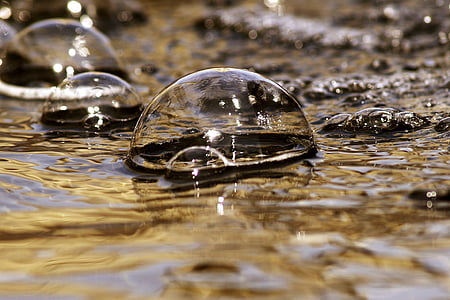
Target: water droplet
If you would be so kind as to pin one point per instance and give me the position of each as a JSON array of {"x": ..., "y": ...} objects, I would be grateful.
[
  {"x": 336, "y": 121},
  {"x": 429, "y": 102},
  {"x": 228, "y": 118},
  {"x": 50, "y": 50},
  {"x": 92, "y": 100}
]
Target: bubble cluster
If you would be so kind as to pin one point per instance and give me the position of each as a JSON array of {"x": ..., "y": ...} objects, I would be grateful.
[
  {"x": 93, "y": 101},
  {"x": 376, "y": 120},
  {"x": 51, "y": 50},
  {"x": 217, "y": 119},
  {"x": 289, "y": 29}
]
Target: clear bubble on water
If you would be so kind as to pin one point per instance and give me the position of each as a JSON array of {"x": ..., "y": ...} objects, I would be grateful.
[
  {"x": 51, "y": 50},
  {"x": 93, "y": 101},
  {"x": 217, "y": 119}
]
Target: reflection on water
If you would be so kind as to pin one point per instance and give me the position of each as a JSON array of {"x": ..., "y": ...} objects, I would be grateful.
[{"x": 350, "y": 224}]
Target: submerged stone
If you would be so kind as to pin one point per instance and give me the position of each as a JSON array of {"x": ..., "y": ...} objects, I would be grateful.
[
  {"x": 376, "y": 120},
  {"x": 217, "y": 119},
  {"x": 92, "y": 101},
  {"x": 51, "y": 50}
]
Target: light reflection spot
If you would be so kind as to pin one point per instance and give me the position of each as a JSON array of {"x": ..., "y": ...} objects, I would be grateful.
[
  {"x": 57, "y": 68},
  {"x": 5, "y": 13},
  {"x": 74, "y": 7},
  {"x": 220, "y": 207},
  {"x": 86, "y": 21},
  {"x": 431, "y": 194}
]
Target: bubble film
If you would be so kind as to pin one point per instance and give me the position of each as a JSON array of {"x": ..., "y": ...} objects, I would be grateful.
[
  {"x": 51, "y": 50},
  {"x": 216, "y": 119},
  {"x": 93, "y": 101}
]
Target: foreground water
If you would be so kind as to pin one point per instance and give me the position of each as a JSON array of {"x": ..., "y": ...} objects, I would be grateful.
[{"x": 367, "y": 219}]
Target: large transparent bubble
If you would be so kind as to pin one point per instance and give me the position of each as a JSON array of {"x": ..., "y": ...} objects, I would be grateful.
[
  {"x": 94, "y": 101},
  {"x": 218, "y": 119},
  {"x": 51, "y": 50}
]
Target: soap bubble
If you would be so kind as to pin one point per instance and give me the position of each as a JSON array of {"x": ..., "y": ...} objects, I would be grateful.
[
  {"x": 93, "y": 101},
  {"x": 51, "y": 50},
  {"x": 217, "y": 119}
]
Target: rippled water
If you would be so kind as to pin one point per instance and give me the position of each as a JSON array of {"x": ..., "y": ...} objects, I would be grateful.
[{"x": 367, "y": 219}]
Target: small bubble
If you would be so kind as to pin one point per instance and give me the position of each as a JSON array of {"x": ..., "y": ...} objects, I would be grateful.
[
  {"x": 429, "y": 102},
  {"x": 380, "y": 65},
  {"x": 92, "y": 100},
  {"x": 443, "y": 125},
  {"x": 391, "y": 13},
  {"x": 253, "y": 34}
]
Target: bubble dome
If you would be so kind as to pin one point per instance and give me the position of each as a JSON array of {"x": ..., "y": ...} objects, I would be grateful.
[
  {"x": 93, "y": 101},
  {"x": 53, "y": 49},
  {"x": 216, "y": 119}
]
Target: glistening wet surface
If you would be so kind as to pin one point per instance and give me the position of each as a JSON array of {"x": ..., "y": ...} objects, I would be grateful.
[{"x": 368, "y": 218}]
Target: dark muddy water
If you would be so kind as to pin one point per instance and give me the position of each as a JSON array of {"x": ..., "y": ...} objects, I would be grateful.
[{"x": 367, "y": 218}]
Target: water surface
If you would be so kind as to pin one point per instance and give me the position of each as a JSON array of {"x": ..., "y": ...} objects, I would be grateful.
[{"x": 367, "y": 219}]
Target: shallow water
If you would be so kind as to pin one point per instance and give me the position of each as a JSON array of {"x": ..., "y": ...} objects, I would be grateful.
[{"x": 367, "y": 219}]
